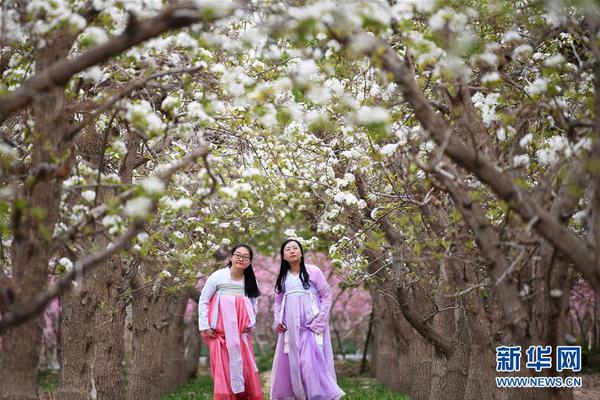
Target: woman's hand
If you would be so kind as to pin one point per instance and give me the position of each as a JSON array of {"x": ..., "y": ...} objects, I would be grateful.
[
  {"x": 281, "y": 328},
  {"x": 210, "y": 333}
]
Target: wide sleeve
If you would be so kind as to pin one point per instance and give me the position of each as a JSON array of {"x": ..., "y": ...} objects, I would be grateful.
[
  {"x": 277, "y": 309},
  {"x": 204, "y": 301},
  {"x": 254, "y": 301},
  {"x": 320, "y": 322}
]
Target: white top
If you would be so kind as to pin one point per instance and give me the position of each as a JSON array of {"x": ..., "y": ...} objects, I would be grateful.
[
  {"x": 219, "y": 277},
  {"x": 294, "y": 283}
]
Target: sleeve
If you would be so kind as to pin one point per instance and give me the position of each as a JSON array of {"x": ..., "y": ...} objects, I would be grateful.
[
  {"x": 320, "y": 322},
  {"x": 254, "y": 302},
  {"x": 204, "y": 301},
  {"x": 277, "y": 309}
]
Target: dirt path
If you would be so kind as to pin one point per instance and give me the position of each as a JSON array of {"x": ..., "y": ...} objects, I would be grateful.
[
  {"x": 590, "y": 389},
  {"x": 265, "y": 378}
]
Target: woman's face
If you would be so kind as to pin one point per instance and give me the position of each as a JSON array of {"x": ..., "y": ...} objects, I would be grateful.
[
  {"x": 292, "y": 252},
  {"x": 241, "y": 258}
]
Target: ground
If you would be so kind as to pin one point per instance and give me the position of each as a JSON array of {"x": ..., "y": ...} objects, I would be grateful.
[
  {"x": 590, "y": 389},
  {"x": 356, "y": 387}
]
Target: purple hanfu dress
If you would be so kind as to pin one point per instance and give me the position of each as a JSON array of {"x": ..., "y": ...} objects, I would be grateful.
[{"x": 303, "y": 364}]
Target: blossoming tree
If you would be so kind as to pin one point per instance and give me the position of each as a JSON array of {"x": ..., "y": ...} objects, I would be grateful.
[{"x": 443, "y": 153}]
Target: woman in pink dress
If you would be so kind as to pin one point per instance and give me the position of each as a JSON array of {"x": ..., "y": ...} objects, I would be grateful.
[
  {"x": 226, "y": 316},
  {"x": 303, "y": 364}
]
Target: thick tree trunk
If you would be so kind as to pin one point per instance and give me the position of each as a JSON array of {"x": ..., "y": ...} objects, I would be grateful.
[
  {"x": 173, "y": 356},
  {"x": 450, "y": 373},
  {"x": 104, "y": 325},
  {"x": 149, "y": 311},
  {"x": 192, "y": 345},
  {"x": 452, "y": 384},
  {"x": 418, "y": 364},
  {"x": 33, "y": 226},
  {"x": 482, "y": 368},
  {"x": 76, "y": 329},
  {"x": 19, "y": 360},
  {"x": 388, "y": 350},
  {"x": 107, "y": 367}
]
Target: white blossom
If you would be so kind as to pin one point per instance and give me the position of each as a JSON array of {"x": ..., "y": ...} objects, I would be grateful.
[
  {"x": 539, "y": 86},
  {"x": 164, "y": 274},
  {"x": 389, "y": 149},
  {"x": 501, "y": 134},
  {"x": 511, "y": 36},
  {"x": 93, "y": 36},
  {"x": 487, "y": 105},
  {"x": 94, "y": 74},
  {"x": 525, "y": 140},
  {"x": 521, "y": 160},
  {"x": 182, "y": 203},
  {"x": 345, "y": 198},
  {"x": 153, "y": 184},
  {"x": 490, "y": 77},
  {"x": 88, "y": 195},
  {"x": 138, "y": 207},
  {"x": 372, "y": 115},
  {"x": 66, "y": 263},
  {"x": 522, "y": 52},
  {"x": 142, "y": 236},
  {"x": 447, "y": 17},
  {"x": 554, "y": 60}
]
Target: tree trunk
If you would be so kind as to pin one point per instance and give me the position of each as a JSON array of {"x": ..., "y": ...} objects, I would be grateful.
[
  {"x": 192, "y": 345},
  {"x": 77, "y": 320},
  {"x": 418, "y": 364},
  {"x": 387, "y": 349},
  {"x": 452, "y": 384},
  {"x": 363, "y": 361},
  {"x": 482, "y": 369},
  {"x": 33, "y": 227},
  {"x": 148, "y": 313},
  {"x": 107, "y": 367},
  {"x": 173, "y": 354}
]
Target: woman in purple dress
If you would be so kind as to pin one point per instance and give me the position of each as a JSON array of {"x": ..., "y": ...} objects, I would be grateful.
[{"x": 303, "y": 364}]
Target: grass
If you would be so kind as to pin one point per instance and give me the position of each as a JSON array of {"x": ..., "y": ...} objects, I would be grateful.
[
  {"x": 199, "y": 389},
  {"x": 356, "y": 388},
  {"x": 367, "y": 388},
  {"x": 47, "y": 383}
]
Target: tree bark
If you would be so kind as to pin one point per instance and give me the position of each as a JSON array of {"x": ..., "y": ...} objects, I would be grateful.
[
  {"x": 173, "y": 349},
  {"x": 149, "y": 309},
  {"x": 77, "y": 320},
  {"x": 32, "y": 227},
  {"x": 109, "y": 322},
  {"x": 192, "y": 345}
]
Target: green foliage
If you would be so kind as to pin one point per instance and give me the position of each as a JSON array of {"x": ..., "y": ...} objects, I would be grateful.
[{"x": 48, "y": 381}]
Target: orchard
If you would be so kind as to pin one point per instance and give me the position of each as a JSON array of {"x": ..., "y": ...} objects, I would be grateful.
[{"x": 439, "y": 160}]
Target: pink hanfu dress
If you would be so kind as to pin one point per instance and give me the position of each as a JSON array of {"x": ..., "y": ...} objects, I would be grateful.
[{"x": 224, "y": 307}]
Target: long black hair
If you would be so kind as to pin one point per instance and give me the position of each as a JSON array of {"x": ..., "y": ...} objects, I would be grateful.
[
  {"x": 285, "y": 267},
  {"x": 250, "y": 285}
]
